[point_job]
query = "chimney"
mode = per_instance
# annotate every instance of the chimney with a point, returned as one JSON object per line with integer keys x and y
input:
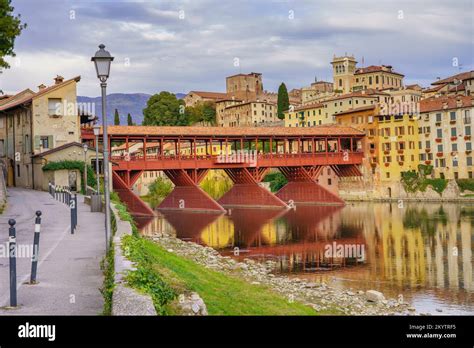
{"x": 58, "y": 79}
{"x": 41, "y": 87}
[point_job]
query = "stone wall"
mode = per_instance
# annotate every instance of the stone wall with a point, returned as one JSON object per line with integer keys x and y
{"x": 125, "y": 300}
{"x": 360, "y": 190}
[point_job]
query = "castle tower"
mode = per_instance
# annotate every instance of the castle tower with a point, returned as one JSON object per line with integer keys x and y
{"x": 343, "y": 69}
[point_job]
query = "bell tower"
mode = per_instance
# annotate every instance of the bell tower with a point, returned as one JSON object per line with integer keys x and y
{"x": 343, "y": 69}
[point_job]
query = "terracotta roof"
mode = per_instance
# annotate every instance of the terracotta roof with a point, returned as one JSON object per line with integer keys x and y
{"x": 361, "y": 108}
{"x": 18, "y": 96}
{"x": 210, "y": 95}
{"x": 59, "y": 148}
{"x": 462, "y": 76}
{"x": 434, "y": 89}
{"x": 444, "y": 103}
{"x": 375, "y": 68}
{"x": 29, "y": 98}
{"x": 232, "y": 131}
{"x": 309, "y": 106}
{"x": 460, "y": 87}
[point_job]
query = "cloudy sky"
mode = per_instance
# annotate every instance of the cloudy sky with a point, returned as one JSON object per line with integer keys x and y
{"x": 192, "y": 45}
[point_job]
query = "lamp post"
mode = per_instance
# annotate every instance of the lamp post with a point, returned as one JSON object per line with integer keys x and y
{"x": 102, "y": 61}
{"x": 96, "y": 133}
{"x": 85, "y": 147}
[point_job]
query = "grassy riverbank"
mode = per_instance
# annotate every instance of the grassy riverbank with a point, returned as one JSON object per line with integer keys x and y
{"x": 165, "y": 275}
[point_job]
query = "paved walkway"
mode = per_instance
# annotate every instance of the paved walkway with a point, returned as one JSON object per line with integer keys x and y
{"x": 69, "y": 273}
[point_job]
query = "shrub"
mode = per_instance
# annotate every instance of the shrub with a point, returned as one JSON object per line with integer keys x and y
{"x": 70, "y": 165}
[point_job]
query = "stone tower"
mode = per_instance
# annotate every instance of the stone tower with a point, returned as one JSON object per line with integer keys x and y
{"x": 343, "y": 69}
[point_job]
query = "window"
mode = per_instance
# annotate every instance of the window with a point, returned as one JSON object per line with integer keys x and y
{"x": 454, "y": 147}
{"x": 455, "y": 162}
{"x": 370, "y": 80}
{"x": 467, "y": 116}
{"x": 453, "y": 132}
{"x": 440, "y": 148}
{"x": 428, "y": 144}
{"x": 377, "y": 79}
{"x": 438, "y": 117}
{"x": 468, "y": 146}
{"x": 45, "y": 142}
{"x": 452, "y": 115}
{"x": 329, "y": 181}
{"x": 467, "y": 130}
{"x": 439, "y": 133}
{"x": 54, "y": 106}
{"x": 18, "y": 170}
{"x": 469, "y": 161}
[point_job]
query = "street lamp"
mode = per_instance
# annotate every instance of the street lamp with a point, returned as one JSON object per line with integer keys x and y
{"x": 96, "y": 133}
{"x": 85, "y": 147}
{"x": 102, "y": 61}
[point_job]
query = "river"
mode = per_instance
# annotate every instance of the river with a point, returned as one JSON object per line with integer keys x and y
{"x": 421, "y": 251}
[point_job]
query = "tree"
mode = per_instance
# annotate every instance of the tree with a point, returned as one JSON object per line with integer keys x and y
{"x": 129, "y": 120}
{"x": 283, "y": 103}
{"x": 158, "y": 190}
{"x": 10, "y": 28}
{"x": 164, "y": 109}
{"x": 116, "y": 118}
{"x": 203, "y": 113}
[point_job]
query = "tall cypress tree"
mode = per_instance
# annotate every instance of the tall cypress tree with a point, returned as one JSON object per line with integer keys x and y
{"x": 129, "y": 120}
{"x": 283, "y": 103}
{"x": 116, "y": 118}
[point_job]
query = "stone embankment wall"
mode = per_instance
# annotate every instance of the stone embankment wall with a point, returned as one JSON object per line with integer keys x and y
{"x": 359, "y": 190}
{"x": 125, "y": 300}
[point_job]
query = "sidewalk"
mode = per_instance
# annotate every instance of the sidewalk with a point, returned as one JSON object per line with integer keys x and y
{"x": 69, "y": 273}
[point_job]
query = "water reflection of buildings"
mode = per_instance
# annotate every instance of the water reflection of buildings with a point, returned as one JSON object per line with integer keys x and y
{"x": 407, "y": 249}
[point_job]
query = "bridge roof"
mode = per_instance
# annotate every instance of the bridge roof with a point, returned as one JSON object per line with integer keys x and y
{"x": 323, "y": 130}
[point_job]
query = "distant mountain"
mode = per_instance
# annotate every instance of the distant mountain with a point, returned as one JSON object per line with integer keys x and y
{"x": 125, "y": 103}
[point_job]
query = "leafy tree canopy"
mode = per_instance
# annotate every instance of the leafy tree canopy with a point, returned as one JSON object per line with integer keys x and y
{"x": 164, "y": 109}
{"x": 10, "y": 28}
{"x": 203, "y": 113}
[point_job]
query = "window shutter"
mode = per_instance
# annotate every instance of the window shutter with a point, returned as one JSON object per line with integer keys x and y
{"x": 37, "y": 142}
{"x": 50, "y": 142}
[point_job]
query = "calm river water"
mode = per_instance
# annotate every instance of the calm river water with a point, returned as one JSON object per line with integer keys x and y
{"x": 420, "y": 250}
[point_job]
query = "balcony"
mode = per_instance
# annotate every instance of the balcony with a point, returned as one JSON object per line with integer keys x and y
{"x": 438, "y": 140}
{"x": 400, "y": 152}
{"x": 427, "y": 150}
{"x": 439, "y": 154}
{"x": 467, "y": 137}
{"x": 454, "y": 138}
{"x": 428, "y": 162}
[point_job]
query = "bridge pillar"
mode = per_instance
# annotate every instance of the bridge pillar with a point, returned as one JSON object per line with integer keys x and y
{"x": 246, "y": 190}
{"x": 302, "y": 186}
{"x": 122, "y": 186}
{"x": 187, "y": 195}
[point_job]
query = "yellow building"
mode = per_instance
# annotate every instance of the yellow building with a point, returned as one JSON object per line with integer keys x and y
{"x": 399, "y": 145}
{"x": 348, "y": 78}
{"x": 306, "y": 116}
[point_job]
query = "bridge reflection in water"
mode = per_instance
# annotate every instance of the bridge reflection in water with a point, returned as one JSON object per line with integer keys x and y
{"x": 423, "y": 251}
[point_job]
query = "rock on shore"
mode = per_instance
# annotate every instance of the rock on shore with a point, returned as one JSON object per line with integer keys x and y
{"x": 319, "y": 296}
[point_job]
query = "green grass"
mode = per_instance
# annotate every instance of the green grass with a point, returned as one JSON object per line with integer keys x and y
{"x": 223, "y": 294}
